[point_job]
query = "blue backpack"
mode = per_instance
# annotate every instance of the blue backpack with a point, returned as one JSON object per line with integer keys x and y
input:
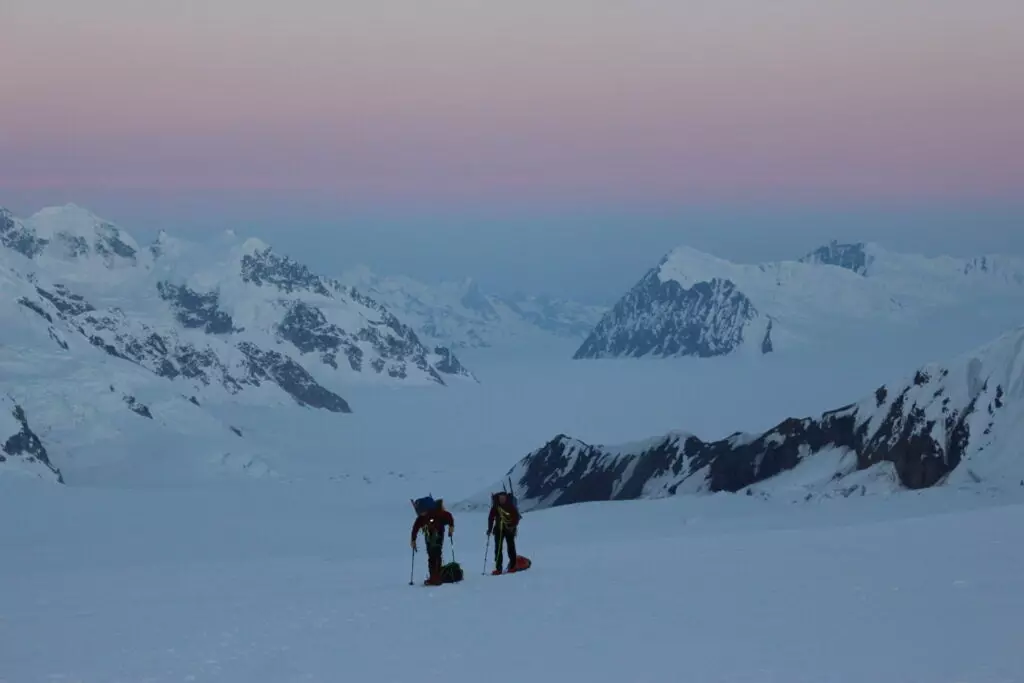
{"x": 424, "y": 504}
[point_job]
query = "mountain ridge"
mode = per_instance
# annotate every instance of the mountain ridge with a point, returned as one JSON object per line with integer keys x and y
{"x": 147, "y": 340}
{"x": 958, "y": 421}
{"x": 696, "y": 304}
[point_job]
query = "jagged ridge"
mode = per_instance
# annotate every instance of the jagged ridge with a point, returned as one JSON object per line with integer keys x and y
{"x": 939, "y": 421}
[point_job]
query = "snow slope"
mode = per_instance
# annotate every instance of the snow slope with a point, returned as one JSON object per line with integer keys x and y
{"x": 959, "y": 422}
{"x": 271, "y": 585}
{"x": 696, "y": 304}
{"x": 461, "y": 315}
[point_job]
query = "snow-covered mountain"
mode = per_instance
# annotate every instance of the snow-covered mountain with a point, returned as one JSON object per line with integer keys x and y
{"x": 955, "y": 422}
{"x": 109, "y": 349}
{"x": 461, "y": 315}
{"x": 695, "y": 304}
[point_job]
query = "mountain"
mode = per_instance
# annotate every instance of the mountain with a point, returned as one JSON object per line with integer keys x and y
{"x": 111, "y": 351}
{"x": 955, "y": 422}
{"x": 462, "y": 315}
{"x": 694, "y": 304}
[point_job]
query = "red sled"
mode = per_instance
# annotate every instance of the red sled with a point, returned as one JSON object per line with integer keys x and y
{"x": 522, "y": 563}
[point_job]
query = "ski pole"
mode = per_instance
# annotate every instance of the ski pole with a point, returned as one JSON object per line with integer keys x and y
{"x": 452, "y": 539}
{"x": 412, "y": 565}
{"x": 487, "y": 546}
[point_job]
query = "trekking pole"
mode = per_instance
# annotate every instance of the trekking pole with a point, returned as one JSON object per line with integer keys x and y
{"x": 487, "y": 546}
{"x": 452, "y": 539}
{"x": 412, "y": 566}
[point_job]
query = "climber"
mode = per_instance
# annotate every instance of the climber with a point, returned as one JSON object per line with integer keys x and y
{"x": 431, "y": 518}
{"x": 503, "y": 522}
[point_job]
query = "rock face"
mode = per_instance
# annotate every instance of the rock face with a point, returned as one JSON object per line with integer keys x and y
{"x": 853, "y": 257}
{"x": 694, "y": 304}
{"x": 662, "y": 318}
{"x": 957, "y": 418}
{"x": 21, "y": 451}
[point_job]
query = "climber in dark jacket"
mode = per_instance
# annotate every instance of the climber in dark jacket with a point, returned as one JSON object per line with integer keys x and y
{"x": 503, "y": 521}
{"x": 432, "y": 518}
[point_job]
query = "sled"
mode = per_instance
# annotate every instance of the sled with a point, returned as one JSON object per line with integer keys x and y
{"x": 522, "y": 564}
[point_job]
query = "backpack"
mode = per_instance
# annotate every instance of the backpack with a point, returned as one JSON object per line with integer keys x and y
{"x": 451, "y": 573}
{"x": 425, "y": 504}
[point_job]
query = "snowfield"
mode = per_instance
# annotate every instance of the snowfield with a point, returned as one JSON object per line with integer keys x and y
{"x": 298, "y": 583}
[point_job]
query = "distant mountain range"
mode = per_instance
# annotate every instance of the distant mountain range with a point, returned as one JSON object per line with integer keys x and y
{"x": 109, "y": 347}
{"x": 955, "y": 423}
{"x": 461, "y": 315}
{"x": 694, "y": 304}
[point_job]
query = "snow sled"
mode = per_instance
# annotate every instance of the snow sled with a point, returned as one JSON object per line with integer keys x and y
{"x": 522, "y": 563}
{"x": 450, "y": 573}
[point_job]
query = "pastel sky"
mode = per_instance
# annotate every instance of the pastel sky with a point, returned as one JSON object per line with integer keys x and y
{"x": 417, "y": 111}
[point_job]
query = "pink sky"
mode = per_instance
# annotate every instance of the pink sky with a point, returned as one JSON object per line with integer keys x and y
{"x": 455, "y": 101}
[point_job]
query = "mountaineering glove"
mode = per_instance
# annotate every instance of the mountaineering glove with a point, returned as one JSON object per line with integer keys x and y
{"x": 451, "y": 531}
{"x": 412, "y": 544}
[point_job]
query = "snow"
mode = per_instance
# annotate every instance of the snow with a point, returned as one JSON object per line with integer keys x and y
{"x": 300, "y": 584}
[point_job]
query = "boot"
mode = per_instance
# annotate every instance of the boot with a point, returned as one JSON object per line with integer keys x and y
{"x": 496, "y": 571}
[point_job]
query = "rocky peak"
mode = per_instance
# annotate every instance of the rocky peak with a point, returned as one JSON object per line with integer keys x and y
{"x": 72, "y": 233}
{"x": 850, "y": 256}
{"x": 661, "y": 317}
{"x": 262, "y": 267}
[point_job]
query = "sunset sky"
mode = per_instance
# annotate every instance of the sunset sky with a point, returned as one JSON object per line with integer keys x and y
{"x": 192, "y": 110}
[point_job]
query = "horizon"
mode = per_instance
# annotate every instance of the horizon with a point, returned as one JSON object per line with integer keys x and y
{"x": 576, "y": 142}
{"x": 600, "y": 279}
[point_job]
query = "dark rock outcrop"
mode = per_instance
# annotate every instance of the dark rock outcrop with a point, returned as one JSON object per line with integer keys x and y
{"x": 265, "y": 268}
{"x": 65, "y": 301}
{"x": 849, "y": 256}
{"x": 24, "y": 444}
{"x": 293, "y": 378}
{"x": 137, "y": 407}
{"x": 19, "y": 238}
{"x": 197, "y": 311}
